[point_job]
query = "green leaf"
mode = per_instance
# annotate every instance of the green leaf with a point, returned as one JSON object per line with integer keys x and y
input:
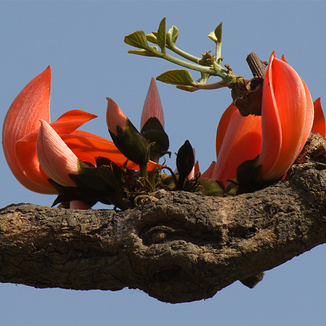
{"x": 216, "y": 36}
{"x": 208, "y": 187}
{"x": 187, "y": 88}
{"x": 218, "y": 32}
{"x": 176, "y": 77}
{"x": 174, "y": 33}
{"x": 161, "y": 35}
{"x": 212, "y": 36}
{"x": 151, "y": 38}
{"x": 137, "y": 39}
{"x": 144, "y": 52}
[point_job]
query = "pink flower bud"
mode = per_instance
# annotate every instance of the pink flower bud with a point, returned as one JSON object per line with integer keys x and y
{"x": 152, "y": 106}
{"x": 115, "y": 117}
{"x": 55, "y": 157}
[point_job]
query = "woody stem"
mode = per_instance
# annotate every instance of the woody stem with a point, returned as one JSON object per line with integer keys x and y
{"x": 256, "y": 65}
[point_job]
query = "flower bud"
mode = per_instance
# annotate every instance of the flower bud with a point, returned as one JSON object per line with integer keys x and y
{"x": 152, "y": 106}
{"x": 152, "y": 123}
{"x": 55, "y": 157}
{"x": 125, "y": 136}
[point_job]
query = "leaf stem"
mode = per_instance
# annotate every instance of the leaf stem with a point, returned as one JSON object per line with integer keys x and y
{"x": 218, "y": 52}
{"x": 183, "y": 54}
{"x": 219, "y": 84}
{"x": 221, "y": 72}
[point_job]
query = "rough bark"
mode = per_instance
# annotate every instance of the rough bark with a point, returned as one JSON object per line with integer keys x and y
{"x": 176, "y": 246}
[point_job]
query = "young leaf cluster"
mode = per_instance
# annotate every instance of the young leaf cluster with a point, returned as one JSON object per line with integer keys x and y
{"x": 208, "y": 65}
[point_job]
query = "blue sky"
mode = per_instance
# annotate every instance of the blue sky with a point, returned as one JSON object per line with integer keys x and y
{"x": 83, "y": 43}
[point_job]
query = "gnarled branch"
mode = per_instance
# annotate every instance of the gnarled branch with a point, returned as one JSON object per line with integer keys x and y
{"x": 176, "y": 246}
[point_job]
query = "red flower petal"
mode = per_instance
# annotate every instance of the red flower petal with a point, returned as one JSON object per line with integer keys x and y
{"x": 31, "y": 104}
{"x": 319, "y": 120}
{"x": 242, "y": 141}
{"x": 287, "y": 116}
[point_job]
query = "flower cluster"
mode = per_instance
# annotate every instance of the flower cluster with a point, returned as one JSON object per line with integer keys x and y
{"x": 258, "y": 150}
{"x": 82, "y": 168}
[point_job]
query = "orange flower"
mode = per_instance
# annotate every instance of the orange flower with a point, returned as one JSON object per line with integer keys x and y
{"x": 21, "y": 127}
{"x": 287, "y": 118}
{"x": 238, "y": 139}
{"x": 273, "y": 141}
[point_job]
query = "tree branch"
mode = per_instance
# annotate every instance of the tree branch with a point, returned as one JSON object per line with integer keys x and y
{"x": 176, "y": 246}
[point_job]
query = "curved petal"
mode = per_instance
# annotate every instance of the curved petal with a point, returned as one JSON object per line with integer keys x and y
{"x": 35, "y": 178}
{"x": 87, "y": 147}
{"x": 223, "y": 125}
{"x": 310, "y": 116}
{"x": 25, "y": 151}
{"x": 220, "y": 135}
{"x": 55, "y": 157}
{"x": 287, "y": 116}
{"x": 311, "y": 112}
{"x": 65, "y": 124}
{"x": 271, "y": 125}
{"x": 31, "y": 104}
{"x": 319, "y": 119}
{"x": 71, "y": 120}
{"x": 242, "y": 141}
{"x": 209, "y": 172}
{"x": 196, "y": 168}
